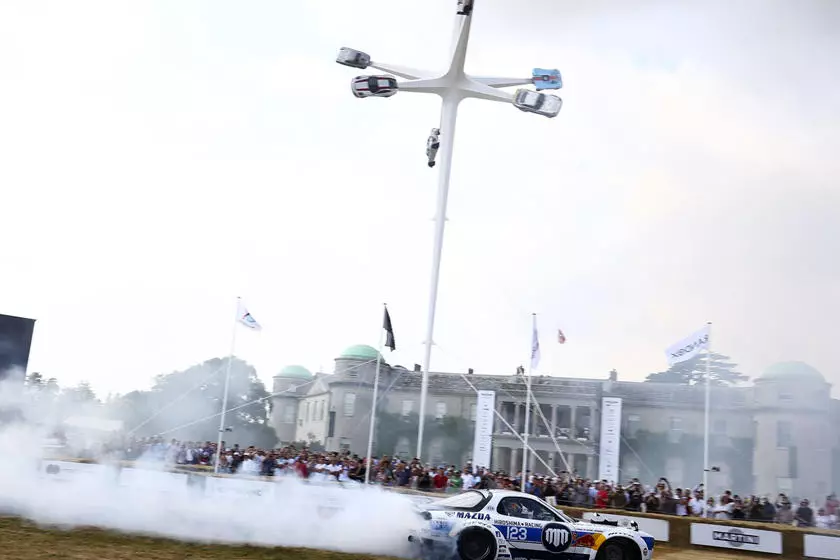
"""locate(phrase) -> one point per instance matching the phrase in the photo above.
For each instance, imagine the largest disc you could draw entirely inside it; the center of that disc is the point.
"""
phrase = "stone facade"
(782, 434)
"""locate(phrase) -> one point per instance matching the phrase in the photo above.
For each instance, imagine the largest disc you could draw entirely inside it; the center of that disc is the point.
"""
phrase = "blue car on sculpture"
(509, 525)
(547, 78)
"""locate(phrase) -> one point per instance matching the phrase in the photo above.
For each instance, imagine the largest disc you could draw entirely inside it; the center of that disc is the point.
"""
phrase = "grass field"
(25, 541)
(22, 540)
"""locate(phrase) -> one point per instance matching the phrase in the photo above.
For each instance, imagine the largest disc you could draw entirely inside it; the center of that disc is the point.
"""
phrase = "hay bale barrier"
(23, 540)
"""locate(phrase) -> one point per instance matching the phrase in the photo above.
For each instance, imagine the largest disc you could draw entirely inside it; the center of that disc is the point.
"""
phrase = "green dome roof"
(295, 372)
(360, 352)
(792, 371)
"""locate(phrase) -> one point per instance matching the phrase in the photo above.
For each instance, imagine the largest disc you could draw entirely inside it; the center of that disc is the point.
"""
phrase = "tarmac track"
(661, 552)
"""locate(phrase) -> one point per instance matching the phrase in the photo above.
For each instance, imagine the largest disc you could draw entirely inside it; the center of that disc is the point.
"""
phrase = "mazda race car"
(508, 525)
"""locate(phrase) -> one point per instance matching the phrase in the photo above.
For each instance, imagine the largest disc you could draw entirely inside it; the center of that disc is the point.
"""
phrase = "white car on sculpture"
(543, 104)
(508, 525)
(374, 86)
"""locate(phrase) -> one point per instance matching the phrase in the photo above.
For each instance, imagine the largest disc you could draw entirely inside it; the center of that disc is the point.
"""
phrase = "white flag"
(246, 319)
(535, 348)
(689, 347)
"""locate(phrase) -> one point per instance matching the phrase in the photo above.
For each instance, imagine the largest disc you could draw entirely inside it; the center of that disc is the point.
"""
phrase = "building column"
(593, 423)
(517, 425)
(590, 467)
(573, 421)
(496, 457)
(554, 420)
(535, 419)
(552, 461)
(514, 464)
(570, 457)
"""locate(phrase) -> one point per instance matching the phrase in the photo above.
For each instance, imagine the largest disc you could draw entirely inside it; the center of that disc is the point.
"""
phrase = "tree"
(80, 394)
(186, 404)
(691, 372)
(36, 382)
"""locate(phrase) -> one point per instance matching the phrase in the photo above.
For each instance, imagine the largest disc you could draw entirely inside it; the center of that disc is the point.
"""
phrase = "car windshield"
(468, 499)
(563, 516)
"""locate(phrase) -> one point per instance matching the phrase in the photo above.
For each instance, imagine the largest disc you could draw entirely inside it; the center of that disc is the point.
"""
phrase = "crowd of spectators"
(566, 489)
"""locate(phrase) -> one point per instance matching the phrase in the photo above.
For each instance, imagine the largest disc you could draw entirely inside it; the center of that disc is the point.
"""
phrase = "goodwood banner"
(610, 439)
(483, 441)
(15, 342)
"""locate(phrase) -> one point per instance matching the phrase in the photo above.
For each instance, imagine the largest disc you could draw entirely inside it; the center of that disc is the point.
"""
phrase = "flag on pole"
(535, 347)
(561, 338)
(688, 347)
(386, 324)
(244, 317)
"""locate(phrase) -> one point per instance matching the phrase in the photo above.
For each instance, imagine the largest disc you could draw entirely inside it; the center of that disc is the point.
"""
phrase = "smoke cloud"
(139, 500)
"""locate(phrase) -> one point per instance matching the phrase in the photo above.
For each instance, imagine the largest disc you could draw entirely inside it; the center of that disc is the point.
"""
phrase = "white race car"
(508, 525)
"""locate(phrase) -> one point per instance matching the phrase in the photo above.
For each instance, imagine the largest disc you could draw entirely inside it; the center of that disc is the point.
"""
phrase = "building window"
(307, 416)
(675, 432)
(406, 407)
(785, 396)
(785, 485)
(440, 410)
(344, 443)
(784, 434)
(349, 404)
(633, 421)
(321, 408)
(403, 449)
(473, 411)
(289, 414)
(719, 427)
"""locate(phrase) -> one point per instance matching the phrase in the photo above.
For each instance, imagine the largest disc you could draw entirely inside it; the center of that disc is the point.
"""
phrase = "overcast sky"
(157, 159)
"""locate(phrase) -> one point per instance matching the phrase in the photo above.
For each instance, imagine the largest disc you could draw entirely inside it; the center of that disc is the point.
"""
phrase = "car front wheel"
(476, 544)
(612, 551)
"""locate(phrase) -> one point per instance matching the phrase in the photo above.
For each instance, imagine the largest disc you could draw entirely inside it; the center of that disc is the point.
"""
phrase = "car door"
(531, 528)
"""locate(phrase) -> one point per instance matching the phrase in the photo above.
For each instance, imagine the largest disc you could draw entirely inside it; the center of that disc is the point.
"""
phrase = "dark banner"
(15, 342)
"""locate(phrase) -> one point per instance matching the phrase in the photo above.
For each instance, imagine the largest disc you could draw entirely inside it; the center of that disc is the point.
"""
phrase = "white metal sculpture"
(453, 86)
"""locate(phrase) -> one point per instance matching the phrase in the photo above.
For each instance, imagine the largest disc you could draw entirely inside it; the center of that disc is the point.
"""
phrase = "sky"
(159, 159)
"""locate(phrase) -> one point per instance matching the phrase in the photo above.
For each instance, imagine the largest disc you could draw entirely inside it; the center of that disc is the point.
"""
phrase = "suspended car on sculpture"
(353, 58)
(543, 104)
(374, 86)
(547, 78)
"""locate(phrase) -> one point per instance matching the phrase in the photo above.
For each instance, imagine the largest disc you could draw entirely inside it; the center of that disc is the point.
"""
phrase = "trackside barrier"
(822, 546)
(739, 536)
(721, 536)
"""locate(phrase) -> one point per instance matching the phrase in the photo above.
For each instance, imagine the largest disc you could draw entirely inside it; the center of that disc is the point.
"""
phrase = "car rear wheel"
(476, 544)
(612, 551)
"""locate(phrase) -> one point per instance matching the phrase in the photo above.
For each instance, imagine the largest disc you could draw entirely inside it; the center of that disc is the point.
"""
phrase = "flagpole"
(227, 388)
(706, 421)
(373, 408)
(528, 408)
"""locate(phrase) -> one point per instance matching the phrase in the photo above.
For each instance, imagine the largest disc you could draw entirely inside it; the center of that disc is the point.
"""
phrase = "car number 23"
(516, 533)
